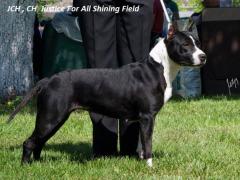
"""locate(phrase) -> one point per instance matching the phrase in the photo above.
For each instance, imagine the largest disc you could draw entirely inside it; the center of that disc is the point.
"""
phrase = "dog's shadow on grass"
(80, 152)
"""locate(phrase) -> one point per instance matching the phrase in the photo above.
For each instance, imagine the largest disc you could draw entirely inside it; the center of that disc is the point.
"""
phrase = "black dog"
(135, 92)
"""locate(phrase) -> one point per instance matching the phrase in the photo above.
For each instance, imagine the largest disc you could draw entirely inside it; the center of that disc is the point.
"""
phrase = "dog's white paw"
(141, 155)
(149, 162)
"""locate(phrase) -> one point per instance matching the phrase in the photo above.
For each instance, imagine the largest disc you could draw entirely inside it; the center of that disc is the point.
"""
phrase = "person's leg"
(105, 135)
(99, 37)
(133, 38)
(154, 38)
(129, 134)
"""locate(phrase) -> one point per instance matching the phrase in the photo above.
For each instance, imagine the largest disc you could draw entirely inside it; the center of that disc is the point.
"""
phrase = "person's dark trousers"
(105, 135)
(154, 37)
(112, 40)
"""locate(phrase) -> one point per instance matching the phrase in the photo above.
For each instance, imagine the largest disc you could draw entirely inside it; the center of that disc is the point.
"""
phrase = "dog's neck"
(160, 55)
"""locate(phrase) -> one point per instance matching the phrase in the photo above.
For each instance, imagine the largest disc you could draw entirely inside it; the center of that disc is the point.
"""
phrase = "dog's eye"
(186, 44)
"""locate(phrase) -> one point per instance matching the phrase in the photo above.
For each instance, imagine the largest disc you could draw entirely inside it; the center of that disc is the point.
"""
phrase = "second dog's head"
(184, 49)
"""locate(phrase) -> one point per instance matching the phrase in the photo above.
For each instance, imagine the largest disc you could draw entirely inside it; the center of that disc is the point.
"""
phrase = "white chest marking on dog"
(159, 54)
(197, 52)
(167, 94)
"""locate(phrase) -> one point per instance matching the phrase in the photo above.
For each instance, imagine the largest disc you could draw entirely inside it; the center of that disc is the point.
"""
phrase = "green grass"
(192, 139)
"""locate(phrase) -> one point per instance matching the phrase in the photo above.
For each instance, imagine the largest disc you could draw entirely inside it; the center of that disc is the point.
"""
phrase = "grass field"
(192, 139)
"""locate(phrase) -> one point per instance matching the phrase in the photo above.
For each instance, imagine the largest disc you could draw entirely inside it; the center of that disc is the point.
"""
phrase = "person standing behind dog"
(157, 23)
(112, 40)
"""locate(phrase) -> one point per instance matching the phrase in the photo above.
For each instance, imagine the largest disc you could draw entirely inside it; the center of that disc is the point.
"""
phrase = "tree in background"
(236, 3)
(40, 4)
(194, 5)
(16, 39)
(16, 42)
(197, 6)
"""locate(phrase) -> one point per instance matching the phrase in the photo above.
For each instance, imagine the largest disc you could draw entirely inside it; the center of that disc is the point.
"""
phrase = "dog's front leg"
(146, 131)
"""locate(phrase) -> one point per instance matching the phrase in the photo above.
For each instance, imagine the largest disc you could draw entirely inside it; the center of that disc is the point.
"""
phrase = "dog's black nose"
(203, 58)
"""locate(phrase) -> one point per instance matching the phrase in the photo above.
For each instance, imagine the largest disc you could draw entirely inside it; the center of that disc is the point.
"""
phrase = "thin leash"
(166, 14)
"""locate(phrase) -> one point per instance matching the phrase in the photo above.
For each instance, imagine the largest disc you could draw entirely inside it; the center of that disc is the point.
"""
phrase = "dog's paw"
(141, 155)
(149, 162)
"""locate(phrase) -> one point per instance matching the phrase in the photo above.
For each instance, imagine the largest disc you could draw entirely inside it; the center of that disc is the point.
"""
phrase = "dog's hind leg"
(46, 127)
(28, 147)
(146, 131)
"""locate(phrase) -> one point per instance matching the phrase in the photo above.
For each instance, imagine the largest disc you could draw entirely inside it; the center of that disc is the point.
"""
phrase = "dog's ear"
(171, 32)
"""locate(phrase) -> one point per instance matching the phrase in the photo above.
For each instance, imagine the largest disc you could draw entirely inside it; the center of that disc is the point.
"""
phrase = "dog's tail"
(34, 91)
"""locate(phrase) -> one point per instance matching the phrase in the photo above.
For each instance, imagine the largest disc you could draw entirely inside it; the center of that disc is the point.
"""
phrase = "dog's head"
(184, 49)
